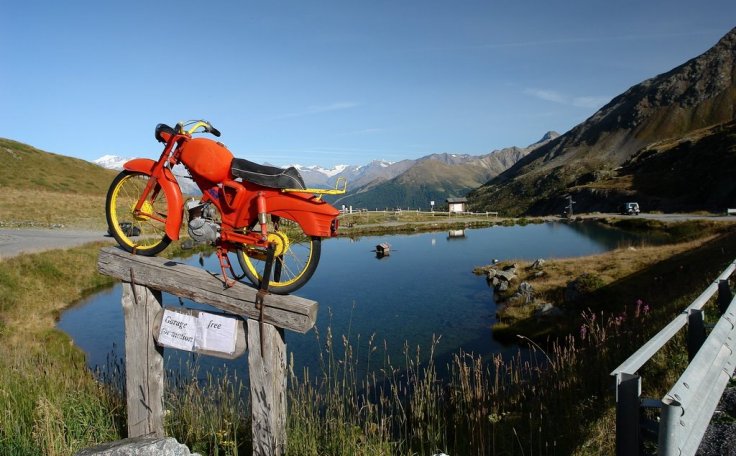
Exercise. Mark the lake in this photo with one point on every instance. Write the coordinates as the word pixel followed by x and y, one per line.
pixel 424 289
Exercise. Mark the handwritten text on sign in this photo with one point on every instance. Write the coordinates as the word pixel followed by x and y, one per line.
pixel 203 332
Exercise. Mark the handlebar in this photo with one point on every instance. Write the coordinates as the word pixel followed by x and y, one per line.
pixel 195 124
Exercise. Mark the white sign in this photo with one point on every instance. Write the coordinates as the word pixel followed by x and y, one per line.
pixel 215 333
pixel 178 330
pixel 204 331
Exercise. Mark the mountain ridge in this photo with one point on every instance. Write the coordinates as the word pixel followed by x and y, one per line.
pixel 696 94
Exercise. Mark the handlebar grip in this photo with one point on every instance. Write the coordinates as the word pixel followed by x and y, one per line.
pixel 214 131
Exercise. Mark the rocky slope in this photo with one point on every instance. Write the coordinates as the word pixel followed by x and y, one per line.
pixel 698 94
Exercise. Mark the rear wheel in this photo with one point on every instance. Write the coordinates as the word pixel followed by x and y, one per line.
pixel 296 256
pixel 142 233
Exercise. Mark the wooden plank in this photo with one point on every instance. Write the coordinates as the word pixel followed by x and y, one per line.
pixel 289 312
pixel 144 362
pixel 267 373
pixel 240 342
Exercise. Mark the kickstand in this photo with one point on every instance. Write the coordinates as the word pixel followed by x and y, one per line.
pixel 225 266
pixel 263 290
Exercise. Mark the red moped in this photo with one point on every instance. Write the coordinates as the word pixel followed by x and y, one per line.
pixel 264 215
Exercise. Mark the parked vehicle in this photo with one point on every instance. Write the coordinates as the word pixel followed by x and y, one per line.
pixel 263 214
pixel 630 208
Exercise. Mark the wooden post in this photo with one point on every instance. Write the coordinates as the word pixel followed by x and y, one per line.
pixel 144 362
pixel 267 388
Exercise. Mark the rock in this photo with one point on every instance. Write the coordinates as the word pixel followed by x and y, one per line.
pixel 538 264
pixel 524 295
pixel 526 288
pixel 507 276
pixel 511 267
pixel 495 281
pixel 502 286
pixel 548 310
pixel 491 273
pixel 140 446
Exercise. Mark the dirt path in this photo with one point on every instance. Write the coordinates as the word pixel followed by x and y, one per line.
pixel 16 241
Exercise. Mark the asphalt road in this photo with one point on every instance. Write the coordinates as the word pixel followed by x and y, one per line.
pixel 16 241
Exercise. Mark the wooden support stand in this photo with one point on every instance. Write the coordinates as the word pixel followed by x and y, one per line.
pixel 144 278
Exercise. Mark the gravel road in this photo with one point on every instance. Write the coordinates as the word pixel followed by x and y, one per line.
pixel 16 241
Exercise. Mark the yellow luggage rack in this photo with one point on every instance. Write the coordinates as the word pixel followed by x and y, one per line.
pixel 323 191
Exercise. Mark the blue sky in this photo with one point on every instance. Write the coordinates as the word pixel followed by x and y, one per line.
pixel 323 82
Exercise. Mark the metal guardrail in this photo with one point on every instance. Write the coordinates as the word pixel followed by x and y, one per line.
pixel 687 408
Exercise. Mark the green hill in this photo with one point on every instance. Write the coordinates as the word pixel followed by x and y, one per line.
pixel 39 188
pixel 25 167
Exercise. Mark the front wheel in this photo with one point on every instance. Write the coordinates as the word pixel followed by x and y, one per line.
pixel 296 256
pixel 140 232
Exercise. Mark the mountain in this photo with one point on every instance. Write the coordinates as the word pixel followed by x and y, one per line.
pixel 436 177
pixel 188 187
pixel 407 183
pixel 356 176
pixel 698 94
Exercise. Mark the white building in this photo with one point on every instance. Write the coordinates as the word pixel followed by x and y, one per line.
pixel 456 204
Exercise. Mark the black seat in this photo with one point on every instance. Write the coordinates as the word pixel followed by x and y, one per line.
pixel 267 176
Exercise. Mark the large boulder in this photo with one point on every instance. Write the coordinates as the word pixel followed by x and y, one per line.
pixel 139 446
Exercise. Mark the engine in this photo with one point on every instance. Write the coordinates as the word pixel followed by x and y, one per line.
pixel 202 225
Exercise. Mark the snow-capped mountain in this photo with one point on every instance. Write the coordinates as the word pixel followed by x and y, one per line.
pixel 182 175
pixel 111 162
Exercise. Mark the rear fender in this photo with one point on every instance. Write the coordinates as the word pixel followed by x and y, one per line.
pixel 171 189
pixel 313 215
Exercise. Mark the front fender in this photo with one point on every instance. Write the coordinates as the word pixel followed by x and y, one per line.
pixel 171 189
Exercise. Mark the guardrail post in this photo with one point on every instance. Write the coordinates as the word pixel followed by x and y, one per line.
pixel 695 332
pixel 628 389
pixel 724 295
pixel 668 427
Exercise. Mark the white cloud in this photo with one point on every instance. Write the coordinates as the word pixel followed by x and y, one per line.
pixel 547 95
pixel 318 109
pixel 588 102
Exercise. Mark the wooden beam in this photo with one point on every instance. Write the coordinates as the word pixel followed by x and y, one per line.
pixel 267 373
pixel 288 312
pixel 144 362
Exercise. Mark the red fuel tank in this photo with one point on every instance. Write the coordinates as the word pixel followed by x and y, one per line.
pixel 207 159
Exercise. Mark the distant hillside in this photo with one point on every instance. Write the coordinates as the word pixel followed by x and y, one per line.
pixel 695 172
pixel 42 189
pixel 25 167
pixel 435 178
pixel 698 94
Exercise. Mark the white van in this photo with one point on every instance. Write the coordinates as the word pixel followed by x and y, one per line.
pixel 630 209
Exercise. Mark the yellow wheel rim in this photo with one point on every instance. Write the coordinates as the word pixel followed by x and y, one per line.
pixel 146 231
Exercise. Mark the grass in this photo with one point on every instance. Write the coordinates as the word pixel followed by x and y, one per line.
pixel 50 403
pixel 38 188
pixel 622 276
pixel 47 208
pixel 410 221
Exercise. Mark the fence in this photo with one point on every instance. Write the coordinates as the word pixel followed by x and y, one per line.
pixel 686 409
pixel 144 279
